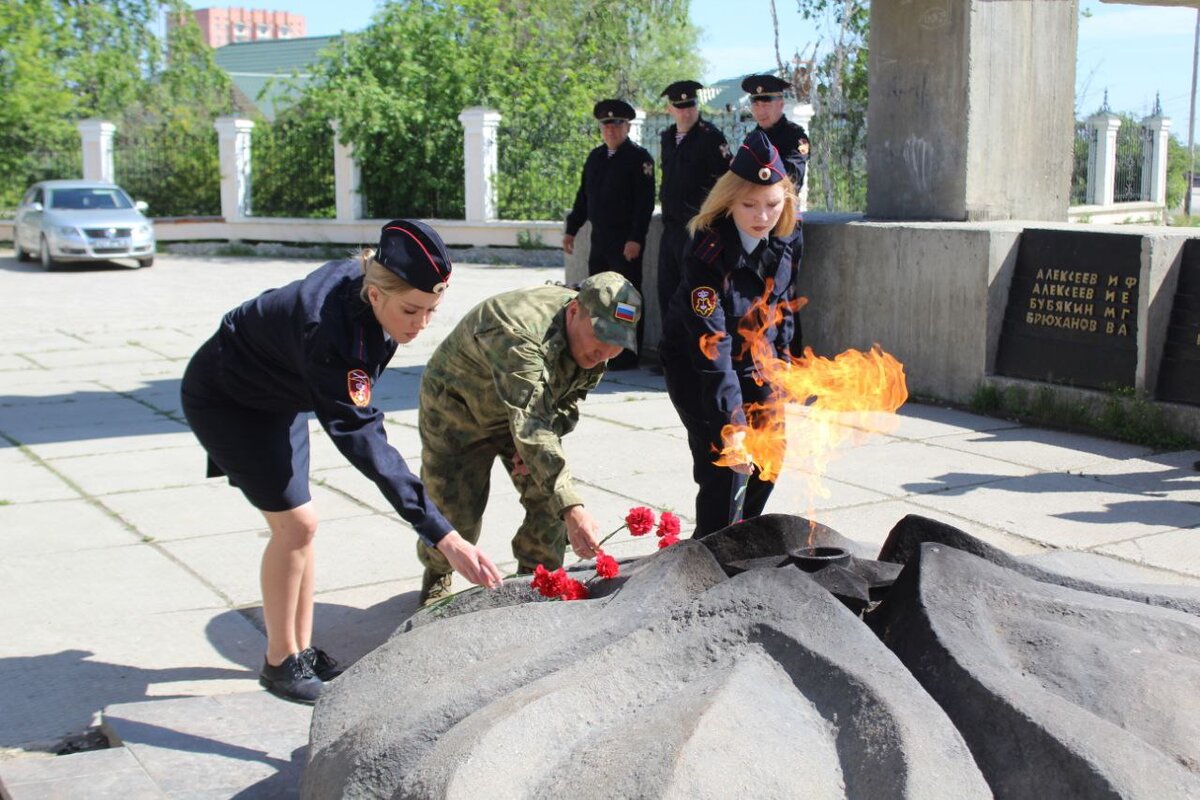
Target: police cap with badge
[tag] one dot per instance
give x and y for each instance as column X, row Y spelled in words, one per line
column 415, row 253
column 682, row 94
column 764, row 87
column 612, row 111
column 758, row 161
column 614, row 306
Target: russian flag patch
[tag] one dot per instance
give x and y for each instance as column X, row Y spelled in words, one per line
column 625, row 312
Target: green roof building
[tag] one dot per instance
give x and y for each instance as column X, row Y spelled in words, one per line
column 263, row 72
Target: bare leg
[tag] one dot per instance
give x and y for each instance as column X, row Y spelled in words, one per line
column 304, row 607
column 286, row 579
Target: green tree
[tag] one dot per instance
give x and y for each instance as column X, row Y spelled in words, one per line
column 66, row 60
column 398, row 87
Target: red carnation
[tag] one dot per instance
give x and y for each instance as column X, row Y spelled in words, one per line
column 574, row 590
column 546, row 581
column 667, row 541
column 668, row 525
column 606, row 566
column 640, row 520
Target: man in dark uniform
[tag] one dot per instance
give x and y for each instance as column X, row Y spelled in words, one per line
column 616, row 194
column 694, row 155
column 790, row 139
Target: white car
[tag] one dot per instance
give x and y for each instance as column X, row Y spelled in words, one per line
column 60, row 221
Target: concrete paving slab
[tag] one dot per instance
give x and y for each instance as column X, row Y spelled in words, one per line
column 66, row 669
column 637, row 410
column 59, row 527
column 1095, row 566
column 805, row 494
column 1172, row 475
column 10, row 363
column 670, row 490
column 35, row 342
column 127, row 353
column 350, row 552
column 27, row 481
column 112, row 774
column 1177, row 550
column 135, row 471
column 248, row 744
column 1044, row 450
column 898, row 468
column 1064, row 511
column 599, row 449
column 40, row 422
column 919, row 422
column 135, row 437
column 870, row 525
column 213, row 507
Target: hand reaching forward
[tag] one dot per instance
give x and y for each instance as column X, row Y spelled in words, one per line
column 469, row 561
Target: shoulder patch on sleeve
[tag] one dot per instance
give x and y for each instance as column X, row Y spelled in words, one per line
column 704, row 301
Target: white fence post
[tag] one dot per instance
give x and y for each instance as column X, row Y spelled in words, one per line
column 97, row 138
column 802, row 114
column 479, row 162
column 635, row 126
column 233, row 150
column 1154, row 158
column 1102, row 157
column 347, row 178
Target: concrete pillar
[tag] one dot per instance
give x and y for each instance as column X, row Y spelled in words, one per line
column 970, row 111
column 1102, row 157
column 635, row 125
column 479, row 162
column 347, row 178
column 802, row 115
column 1157, row 130
column 97, row 138
column 233, row 150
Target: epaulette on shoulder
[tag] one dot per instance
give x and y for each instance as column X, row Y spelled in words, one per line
column 709, row 248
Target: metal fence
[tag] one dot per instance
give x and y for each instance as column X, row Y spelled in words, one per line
column 64, row 160
column 292, row 169
column 176, row 171
column 1127, row 183
column 539, row 162
column 1079, row 164
column 420, row 180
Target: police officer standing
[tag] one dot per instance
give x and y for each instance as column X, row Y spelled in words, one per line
column 790, row 139
column 507, row 383
column 616, row 194
column 694, row 155
column 739, row 269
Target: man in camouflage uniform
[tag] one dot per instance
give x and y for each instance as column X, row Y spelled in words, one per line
column 507, row 382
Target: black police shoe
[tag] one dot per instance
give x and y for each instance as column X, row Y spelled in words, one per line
column 321, row 663
column 292, row 680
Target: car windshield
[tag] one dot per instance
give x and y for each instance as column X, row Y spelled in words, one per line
column 100, row 198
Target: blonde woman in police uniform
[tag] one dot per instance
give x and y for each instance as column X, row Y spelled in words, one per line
column 319, row 344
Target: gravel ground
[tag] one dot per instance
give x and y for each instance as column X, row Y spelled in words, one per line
column 467, row 255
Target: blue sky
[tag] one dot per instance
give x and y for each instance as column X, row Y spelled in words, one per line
column 1131, row 50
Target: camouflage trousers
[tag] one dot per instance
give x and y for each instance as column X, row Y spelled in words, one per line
column 459, row 482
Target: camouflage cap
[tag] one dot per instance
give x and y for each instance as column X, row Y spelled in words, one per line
column 614, row 307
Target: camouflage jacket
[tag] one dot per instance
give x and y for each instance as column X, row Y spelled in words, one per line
column 506, row 370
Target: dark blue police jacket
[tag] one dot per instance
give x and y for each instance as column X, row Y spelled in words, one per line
column 306, row 347
column 720, row 282
column 616, row 193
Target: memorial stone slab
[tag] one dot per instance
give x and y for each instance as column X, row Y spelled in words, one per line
column 1179, row 375
column 1072, row 311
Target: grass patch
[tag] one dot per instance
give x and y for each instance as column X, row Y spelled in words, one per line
column 1120, row 414
column 1184, row 221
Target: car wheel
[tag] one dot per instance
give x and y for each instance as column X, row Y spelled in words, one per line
column 21, row 254
column 146, row 262
column 48, row 263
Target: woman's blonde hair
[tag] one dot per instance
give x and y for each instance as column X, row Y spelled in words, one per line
column 379, row 276
column 730, row 189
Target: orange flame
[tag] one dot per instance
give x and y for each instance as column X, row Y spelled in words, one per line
column 709, row 342
column 840, row 396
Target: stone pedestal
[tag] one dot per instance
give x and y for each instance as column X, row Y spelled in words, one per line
column 970, row 109
column 97, row 139
column 1102, row 157
column 480, row 126
column 233, row 149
